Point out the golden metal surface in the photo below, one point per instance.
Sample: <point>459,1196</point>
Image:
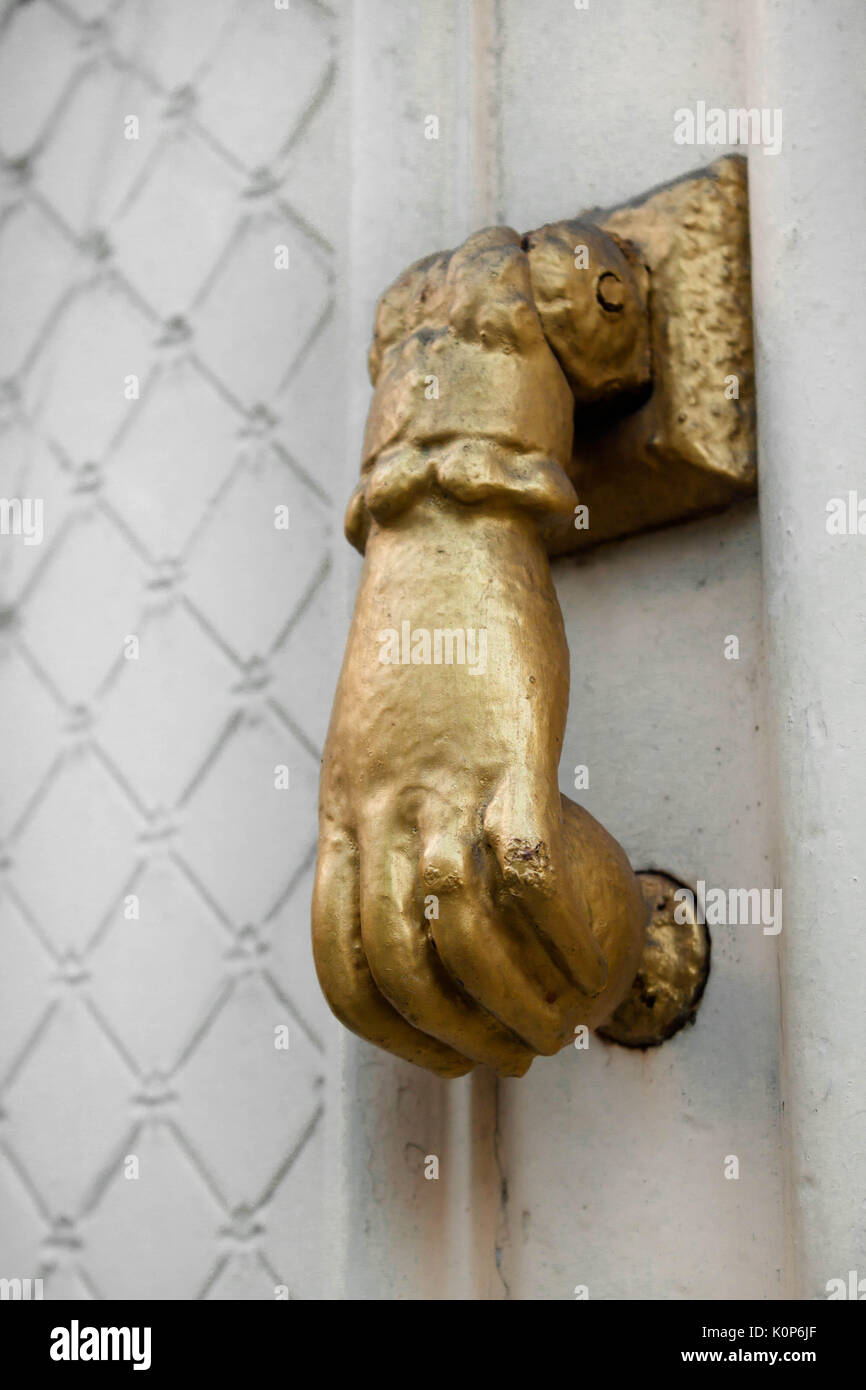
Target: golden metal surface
<point>464,912</point>
<point>439,791</point>
<point>690,446</point>
<point>672,972</point>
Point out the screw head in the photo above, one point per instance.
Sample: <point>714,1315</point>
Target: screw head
<point>610,292</point>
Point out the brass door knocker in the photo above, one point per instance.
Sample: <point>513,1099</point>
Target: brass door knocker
<point>532,395</point>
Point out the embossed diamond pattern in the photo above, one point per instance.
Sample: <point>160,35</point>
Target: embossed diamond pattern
<point>166,648</point>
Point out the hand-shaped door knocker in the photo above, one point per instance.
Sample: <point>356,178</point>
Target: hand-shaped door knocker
<point>464,910</point>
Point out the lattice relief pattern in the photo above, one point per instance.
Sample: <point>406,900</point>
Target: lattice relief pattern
<point>167,281</point>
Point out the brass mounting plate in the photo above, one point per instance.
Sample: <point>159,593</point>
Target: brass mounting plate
<point>690,447</point>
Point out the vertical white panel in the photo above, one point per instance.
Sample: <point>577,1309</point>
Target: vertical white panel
<point>808,232</point>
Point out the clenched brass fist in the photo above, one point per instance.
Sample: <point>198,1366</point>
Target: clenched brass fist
<point>464,912</point>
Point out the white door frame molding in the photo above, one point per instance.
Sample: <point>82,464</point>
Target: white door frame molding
<point>808,219</point>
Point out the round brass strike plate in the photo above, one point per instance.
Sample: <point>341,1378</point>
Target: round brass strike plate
<point>673,970</point>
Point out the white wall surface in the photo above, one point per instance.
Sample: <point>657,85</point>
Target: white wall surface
<point>155,1038</point>
<point>154,257</point>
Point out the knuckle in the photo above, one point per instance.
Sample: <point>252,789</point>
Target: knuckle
<point>443,867</point>
<point>442,876</point>
<point>526,865</point>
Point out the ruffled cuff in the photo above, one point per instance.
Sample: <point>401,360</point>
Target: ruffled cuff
<point>470,471</point>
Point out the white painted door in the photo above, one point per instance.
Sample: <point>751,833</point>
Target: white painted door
<point>605,1173</point>
<point>190,296</point>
